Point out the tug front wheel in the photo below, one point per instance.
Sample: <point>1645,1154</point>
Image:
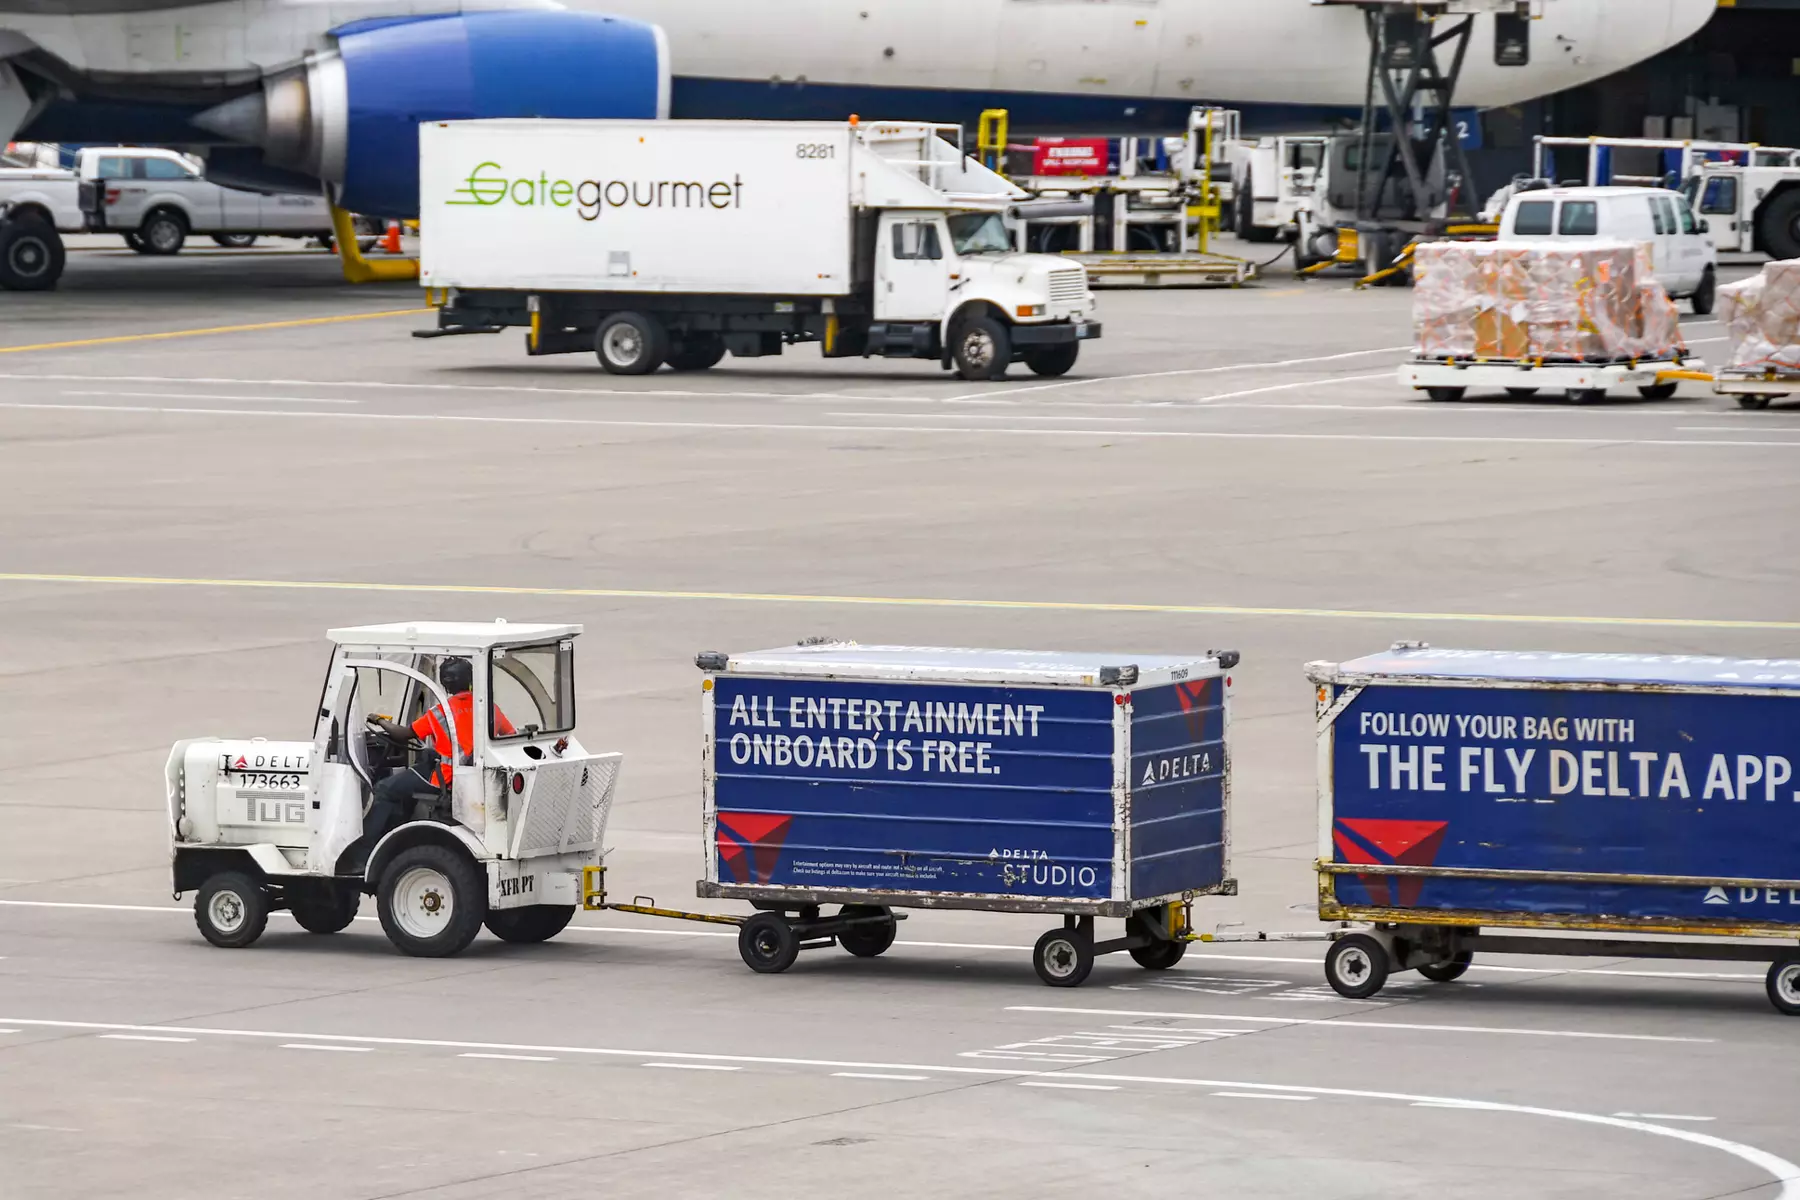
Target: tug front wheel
<point>231,910</point>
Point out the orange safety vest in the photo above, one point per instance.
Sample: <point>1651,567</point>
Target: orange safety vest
<point>430,728</point>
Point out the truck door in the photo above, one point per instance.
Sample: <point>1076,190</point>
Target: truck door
<point>1719,208</point>
<point>179,183</point>
<point>912,273</point>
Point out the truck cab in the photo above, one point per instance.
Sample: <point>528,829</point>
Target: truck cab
<point>1749,209</point>
<point>1681,254</point>
<point>259,825</point>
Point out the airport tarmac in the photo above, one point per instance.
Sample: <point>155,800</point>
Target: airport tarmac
<point>210,460</point>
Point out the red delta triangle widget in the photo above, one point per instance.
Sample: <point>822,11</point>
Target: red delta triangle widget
<point>1391,843</point>
<point>750,845</point>
<point>1194,703</point>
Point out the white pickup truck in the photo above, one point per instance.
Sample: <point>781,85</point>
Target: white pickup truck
<point>154,198</point>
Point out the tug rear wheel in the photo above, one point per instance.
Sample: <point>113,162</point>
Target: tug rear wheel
<point>531,924</point>
<point>432,900</point>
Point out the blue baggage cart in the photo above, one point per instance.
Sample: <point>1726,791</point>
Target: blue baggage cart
<point>1466,793</point>
<point>875,778</point>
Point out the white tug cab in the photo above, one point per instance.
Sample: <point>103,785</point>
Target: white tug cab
<point>259,825</point>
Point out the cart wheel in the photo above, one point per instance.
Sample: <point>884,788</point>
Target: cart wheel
<point>1446,395</point>
<point>1063,957</point>
<point>1158,956</point>
<point>1585,395</point>
<point>1356,966</point>
<point>768,944</point>
<point>868,940</point>
<point>1450,968</point>
<point>1659,391</point>
<point>1521,393</point>
<point>1753,403</point>
<point>232,910</point>
<point>1784,984</point>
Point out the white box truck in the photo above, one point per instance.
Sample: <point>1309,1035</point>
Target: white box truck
<point>653,242</point>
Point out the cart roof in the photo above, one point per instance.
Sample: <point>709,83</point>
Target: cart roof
<point>451,635</point>
<point>1550,666</point>
<point>947,664</point>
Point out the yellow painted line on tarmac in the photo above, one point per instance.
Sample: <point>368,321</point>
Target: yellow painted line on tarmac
<point>1217,610</point>
<point>296,323</point>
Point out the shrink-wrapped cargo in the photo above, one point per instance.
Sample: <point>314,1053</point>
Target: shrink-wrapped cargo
<point>1762,318</point>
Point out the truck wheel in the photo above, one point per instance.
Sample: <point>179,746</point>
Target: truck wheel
<point>1450,968</point>
<point>1784,984</point>
<point>231,910</point>
<point>235,241</point>
<point>1780,224</point>
<point>1158,956</point>
<point>163,232</point>
<point>768,944</point>
<point>1703,296</point>
<point>1063,957</point>
<point>432,900</point>
<point>696,353</point>
<point>1052,360</point>
<point>326,914</point>
<point>1356,966</point>
<point>1446,395</point>
<point>31,255</point>
<point>870,940</point>
<point>1753,403</point>
<point>1247,228</point>
<point>982,348</point>
<point>631,343</point>
<point>134,242</point>
<point>529,925</point>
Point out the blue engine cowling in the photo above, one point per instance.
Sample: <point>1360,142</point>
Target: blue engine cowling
<point>350,116</point>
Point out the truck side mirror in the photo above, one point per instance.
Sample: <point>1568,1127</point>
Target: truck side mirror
<point>1705,225</point>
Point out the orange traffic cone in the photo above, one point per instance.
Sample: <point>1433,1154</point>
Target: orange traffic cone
<point>391,243</point>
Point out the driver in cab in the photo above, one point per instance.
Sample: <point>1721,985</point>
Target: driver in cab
<point>391,797</point>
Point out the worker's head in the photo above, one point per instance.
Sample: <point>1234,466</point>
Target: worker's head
<point>457,675</point>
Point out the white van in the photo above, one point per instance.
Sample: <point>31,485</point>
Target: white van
<point>1680,251</point>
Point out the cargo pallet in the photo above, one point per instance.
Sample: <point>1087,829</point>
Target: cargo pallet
<point>1756,391</point>
<point>1165,269</point>
<point>1580,383</point>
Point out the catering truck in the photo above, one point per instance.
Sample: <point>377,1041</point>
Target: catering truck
<point>675,242</point>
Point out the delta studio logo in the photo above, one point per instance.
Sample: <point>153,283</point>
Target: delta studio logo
<point>489,186</point>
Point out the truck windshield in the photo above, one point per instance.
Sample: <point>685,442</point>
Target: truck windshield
<point>979,233</point>
<point>532,690</point>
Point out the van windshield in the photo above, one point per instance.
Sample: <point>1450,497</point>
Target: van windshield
<point>979,233</point>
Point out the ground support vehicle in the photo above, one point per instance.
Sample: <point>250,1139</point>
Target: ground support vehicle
<point>258,825</point>
<point>876,778</point>
<point>1273,183</point>
<point>1749,208</point>
<point>1485,801</point>
<point>702,238</point>
<point>1756,390</point>
<point>1579,383</point>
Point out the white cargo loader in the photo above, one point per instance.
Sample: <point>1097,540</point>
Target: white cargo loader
<point>653,242</point>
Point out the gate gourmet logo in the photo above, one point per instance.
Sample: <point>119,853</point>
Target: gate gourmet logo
<point>489,186</point>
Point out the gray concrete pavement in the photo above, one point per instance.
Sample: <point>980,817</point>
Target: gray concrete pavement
<point>182,518</point>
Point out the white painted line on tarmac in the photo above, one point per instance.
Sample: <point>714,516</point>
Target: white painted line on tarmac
<point>323,1046</point>
<point>1288,387</point>
<point>1080,1087</point>
<point>1663,1116</point>
<point>1262,1096</point>
<point>8,1031</point>
<point>1455,1104</point>
<point>879,1075</point>
<point>509,1057</point>
<point>1727,428</point>
<point>651,393</point>
<point>1348,1023</point>
<point>975,416</point>
<point>1246,366</point>
<point>143,1037</point>
<point>209,396</point>
<point>692,1066</point>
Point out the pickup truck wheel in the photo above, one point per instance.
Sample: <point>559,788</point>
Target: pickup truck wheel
<point>696,352</point>
<point>1781,225</point>
<point>163,232</point>
<point>134,242</point>
<point>1053,360</point>
<point>325,914</point>
<point>1703,296</point>
<point>630,343</point>
<point>232,910</point>
<point>235,241</point>
<point>31,255</point>
<point>432,901</point>
<point>529,925</point>
<point>982,348</point>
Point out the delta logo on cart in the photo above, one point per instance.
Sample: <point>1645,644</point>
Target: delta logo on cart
<point>750,845</point>
<point>1195,702</point>
<point>1389,843</point>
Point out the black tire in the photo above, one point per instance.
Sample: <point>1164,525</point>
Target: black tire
<point>768,944</point>
<point>1245,202</point>
<point>1052,361</point>
<point>1357,966</point>
<point>232,910</point>
<point>1158,956</point>
<point>1705,294</point>
<point>1780,225</point>
<point>870,939</point>
<point>1784,984</point>
<point>1585,395</point>
<point>1450,968</point>
<point>164,232</point>
<point>134,242</point>
<point>1659,391</point>
<point>696,353</point>
<point>529,925</point>
<point>235,241</point>
<point>1446,395</point>
<point>981,348</point>
<point>432,901</point>
<point>326,914</point>
<point>630,343</point>
<point>1521,393</point>
<point>1753,403</point>
<point>31,255</point>
<point>1063,957</point>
